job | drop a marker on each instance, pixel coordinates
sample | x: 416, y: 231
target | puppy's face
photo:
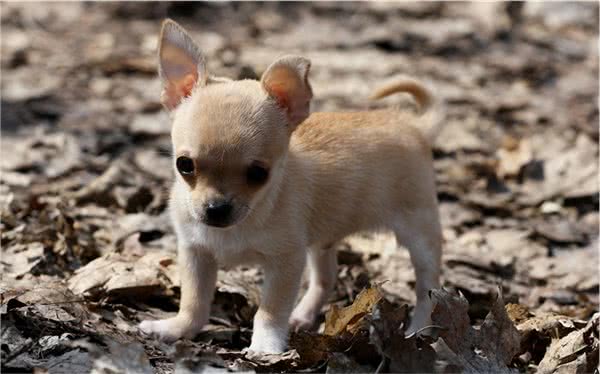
x: 228, y: 141
x: 230, y: 138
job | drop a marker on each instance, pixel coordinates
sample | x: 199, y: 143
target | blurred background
x: 85, y: 165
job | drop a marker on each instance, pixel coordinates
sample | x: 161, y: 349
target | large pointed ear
x: 181, y: 65
x: 286, y: 81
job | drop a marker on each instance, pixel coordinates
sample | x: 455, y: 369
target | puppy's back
x: 362, y: 168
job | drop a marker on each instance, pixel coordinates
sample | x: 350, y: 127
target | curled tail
x: 431, y: 125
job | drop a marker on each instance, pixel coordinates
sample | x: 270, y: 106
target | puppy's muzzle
x: 218, y: 213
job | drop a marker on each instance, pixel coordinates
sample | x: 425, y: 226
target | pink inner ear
x: 186, y: 84
x: 175, y: 91
x: 279, y: 92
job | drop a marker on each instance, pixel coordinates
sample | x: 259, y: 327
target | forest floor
x: 88, y: 251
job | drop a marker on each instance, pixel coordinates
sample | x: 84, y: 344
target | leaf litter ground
x: 88, y: 252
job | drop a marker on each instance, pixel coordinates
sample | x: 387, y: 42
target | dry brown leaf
x: 116, y: 275
x: 546, y: 325
x: 560, y: 231
x: 487, y: 349
x: 122, y: 358
x: 405, y: 354
x: 237, y: 291
x: 558, y: 270
x: 517, y: 313
x: 457, y: 215
x: 513, y: 155
x: 347, y: 319
x: 570, y: 172
x: 144, y: 65
x: 43, y: 154
x: 575, y: 353
x: 499, y: 335
x: 457, y: 137
x: 451, y: 313
x: 340, y: 363
x: 21, y: 259
x: 313, y: 348
x: 154, y: 124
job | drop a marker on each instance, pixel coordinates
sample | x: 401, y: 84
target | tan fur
x: 331, y: 175
x: 405, y: 84
x: 334, y: 154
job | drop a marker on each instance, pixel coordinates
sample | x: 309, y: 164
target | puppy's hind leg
x: 420, y: 233
x: 322, y: 265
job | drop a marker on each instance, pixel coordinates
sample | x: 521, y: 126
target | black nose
x: 218, y: 213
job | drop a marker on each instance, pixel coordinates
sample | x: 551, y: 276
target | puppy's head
x: 230, y: 138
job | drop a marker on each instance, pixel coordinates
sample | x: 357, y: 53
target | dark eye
x: 185, y: 165
x: 257, y: 174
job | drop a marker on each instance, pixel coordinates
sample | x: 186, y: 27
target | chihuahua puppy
x: 259, y: 180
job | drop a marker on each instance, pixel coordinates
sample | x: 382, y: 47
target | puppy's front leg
x: 282, y: 283
x: 198, y: 271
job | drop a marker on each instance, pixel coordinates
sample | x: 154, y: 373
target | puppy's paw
x: 170, y: 329
x: 418, y: 322
x: 266, y: 340
x: 302, y: 321
x: 274, y: 346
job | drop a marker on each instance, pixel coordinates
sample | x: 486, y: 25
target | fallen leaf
x: 347, y: 319
x: 577, y: 352
x: 154, y: 124
x: 558, y: 270
x: 115, y: 275
x: 571, y: 172
x: 457, y: 215
x: 560, y: 231
x: 21, y: 259
x: 517, y: 313
x: 340, y: 363
x: 405, y: 354
x: 490, y: 348
x: 512, y: 156
x: 123, y: 358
